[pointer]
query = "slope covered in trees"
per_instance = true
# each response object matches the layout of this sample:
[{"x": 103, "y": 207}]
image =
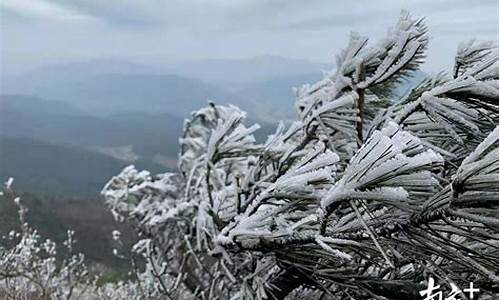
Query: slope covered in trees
[{"x": 366, "y": 196}]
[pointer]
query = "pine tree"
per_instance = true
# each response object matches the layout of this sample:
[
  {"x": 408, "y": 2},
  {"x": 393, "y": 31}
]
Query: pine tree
[{"x": 366, "y": 196}]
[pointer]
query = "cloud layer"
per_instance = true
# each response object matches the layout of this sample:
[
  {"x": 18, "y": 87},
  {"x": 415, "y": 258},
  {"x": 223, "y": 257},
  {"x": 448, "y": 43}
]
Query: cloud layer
[{"x": 36, "y": 33}]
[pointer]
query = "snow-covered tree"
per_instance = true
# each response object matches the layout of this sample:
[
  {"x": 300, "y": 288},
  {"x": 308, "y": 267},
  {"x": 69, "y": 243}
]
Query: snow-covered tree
[
  {"x": 29, "y": 268},
  {"x": 364, "y": 197}
]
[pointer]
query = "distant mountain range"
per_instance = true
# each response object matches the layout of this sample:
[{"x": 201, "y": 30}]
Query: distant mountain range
[
  {"x": 53, "y": 147},
  {"x": 227, "y": 72},
  {"x": 61, "y": 123},
  {"x": 237, "y": 74},
  {"x": 106, "y": 94},
  {"x": 114, "y": 113},
  {"x": 110, "y": 87}
]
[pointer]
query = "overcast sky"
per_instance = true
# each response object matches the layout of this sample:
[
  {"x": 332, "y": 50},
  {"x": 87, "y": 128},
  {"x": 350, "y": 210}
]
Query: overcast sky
[{"x": 40, "y": 32}]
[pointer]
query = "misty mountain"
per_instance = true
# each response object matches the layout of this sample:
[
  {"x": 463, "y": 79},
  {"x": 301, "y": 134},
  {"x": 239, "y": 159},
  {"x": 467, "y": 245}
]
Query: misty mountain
[
  {"x": 57, "y": 133},
  {"x": 34, "y": 105},
  {"x": 61, "y": 123},
  {"x": 235, "y": 74},
  {"x": 54, "y": 169},
  {"x": 115, "y": 93},
  {"x": 105, "y": 87},
  {"x": 274, "y": 97},
  {"x": 98, "y": 67},
  {"x": 261, "y": 85},
  {"x": 216, "y": 71}
]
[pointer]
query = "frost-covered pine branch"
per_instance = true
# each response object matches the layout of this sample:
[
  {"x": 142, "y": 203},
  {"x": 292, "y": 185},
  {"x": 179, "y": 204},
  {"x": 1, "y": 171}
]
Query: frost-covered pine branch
[{"x": 345, "y": 192}]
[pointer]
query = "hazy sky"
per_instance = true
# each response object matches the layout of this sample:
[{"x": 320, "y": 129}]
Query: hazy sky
[{"x": 39, "y": 32}]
